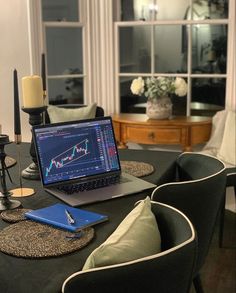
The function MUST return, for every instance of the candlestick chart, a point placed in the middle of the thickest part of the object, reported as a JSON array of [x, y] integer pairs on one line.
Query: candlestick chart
[[68, 157]]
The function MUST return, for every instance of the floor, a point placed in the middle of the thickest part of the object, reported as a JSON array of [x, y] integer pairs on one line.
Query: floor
[[219, 272]]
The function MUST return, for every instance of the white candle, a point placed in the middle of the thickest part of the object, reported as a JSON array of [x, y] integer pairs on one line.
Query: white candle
[[32, 91]]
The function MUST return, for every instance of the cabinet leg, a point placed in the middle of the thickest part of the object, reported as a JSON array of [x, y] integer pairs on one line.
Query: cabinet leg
[[122, 145], [187, 148]]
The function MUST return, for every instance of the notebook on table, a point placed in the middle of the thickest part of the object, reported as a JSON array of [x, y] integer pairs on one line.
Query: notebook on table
[[79, 162], [66, 217]]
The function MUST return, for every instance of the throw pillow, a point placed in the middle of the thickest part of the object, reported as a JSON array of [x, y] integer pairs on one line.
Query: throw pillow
[[57, 114], [137, 236]]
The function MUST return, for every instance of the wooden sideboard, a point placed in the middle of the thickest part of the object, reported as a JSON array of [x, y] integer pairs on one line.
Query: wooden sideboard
[[183, 130]]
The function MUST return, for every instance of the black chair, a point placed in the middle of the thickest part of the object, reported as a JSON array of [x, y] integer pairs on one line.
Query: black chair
[[199, 194], [166, 272], [99, 110]]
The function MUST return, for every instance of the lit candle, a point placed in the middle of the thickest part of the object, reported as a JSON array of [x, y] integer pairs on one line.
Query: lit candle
[[32, 91], [17, 125]]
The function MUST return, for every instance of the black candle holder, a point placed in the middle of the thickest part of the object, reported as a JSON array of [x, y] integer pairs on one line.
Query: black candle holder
[[35, 118], [5, 202]]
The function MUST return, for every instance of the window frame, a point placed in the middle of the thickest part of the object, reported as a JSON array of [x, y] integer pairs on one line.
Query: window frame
[[81, 23], [189, 75]]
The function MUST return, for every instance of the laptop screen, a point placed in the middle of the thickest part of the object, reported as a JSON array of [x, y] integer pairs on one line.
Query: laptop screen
[[78, 149]]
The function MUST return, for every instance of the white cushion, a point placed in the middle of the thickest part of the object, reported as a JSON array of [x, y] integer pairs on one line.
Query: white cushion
[[227, 151], [137, 236], [57, 114], [217, 132]]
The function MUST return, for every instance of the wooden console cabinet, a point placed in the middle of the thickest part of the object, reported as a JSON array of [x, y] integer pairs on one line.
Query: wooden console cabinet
[[183, 130]]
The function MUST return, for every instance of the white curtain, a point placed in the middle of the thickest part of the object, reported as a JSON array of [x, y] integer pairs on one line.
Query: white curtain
[[231, 69]]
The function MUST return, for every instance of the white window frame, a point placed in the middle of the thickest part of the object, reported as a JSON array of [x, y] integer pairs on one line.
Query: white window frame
[[188, 75]]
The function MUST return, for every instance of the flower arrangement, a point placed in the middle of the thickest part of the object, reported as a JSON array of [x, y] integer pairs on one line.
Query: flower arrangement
[[154, 88]]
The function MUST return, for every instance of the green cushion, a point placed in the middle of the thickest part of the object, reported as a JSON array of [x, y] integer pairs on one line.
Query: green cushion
[[137, 236], [57, 114]]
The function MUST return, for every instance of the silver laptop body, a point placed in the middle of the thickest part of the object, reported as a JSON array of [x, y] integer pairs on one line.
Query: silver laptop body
[[81, 154]]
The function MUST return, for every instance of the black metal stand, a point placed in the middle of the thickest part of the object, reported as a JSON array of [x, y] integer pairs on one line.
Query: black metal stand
[[5, 202], [35, 118]]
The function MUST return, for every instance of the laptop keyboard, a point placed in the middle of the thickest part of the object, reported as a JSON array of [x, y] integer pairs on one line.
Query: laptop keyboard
[[94, 184]]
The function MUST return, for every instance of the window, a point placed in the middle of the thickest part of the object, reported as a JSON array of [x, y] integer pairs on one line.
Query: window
[[63, 31], [187, 38]]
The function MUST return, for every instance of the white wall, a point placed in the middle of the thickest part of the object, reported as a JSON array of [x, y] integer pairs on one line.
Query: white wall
[[14, 54]]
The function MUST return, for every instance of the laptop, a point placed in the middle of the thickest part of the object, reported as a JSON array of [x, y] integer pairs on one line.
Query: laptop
[[79, 162]]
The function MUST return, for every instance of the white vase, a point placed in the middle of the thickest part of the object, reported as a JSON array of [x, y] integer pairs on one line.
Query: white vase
[[159, 108]]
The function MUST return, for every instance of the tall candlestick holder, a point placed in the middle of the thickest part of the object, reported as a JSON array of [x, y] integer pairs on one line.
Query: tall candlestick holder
[[5, 202], [35, 118]]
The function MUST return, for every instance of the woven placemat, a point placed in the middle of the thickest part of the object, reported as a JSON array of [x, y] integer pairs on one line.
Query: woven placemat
[[30, 239], [13, 216], [136, 168]]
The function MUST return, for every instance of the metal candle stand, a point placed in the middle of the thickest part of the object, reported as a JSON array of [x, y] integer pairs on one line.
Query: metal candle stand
[[35, 118], [5, 202]]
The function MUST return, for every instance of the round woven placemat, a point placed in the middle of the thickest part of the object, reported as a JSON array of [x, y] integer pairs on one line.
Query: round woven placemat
[[137, 169], [30, 239], [13, 216]]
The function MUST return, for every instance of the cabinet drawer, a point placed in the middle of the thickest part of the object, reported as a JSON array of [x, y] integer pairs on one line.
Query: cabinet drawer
[[153, 135]]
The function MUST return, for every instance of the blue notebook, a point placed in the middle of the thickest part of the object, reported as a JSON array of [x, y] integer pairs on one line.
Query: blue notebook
[[66, 217]]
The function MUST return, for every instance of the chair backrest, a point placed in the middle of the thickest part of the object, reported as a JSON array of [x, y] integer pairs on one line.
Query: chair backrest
[[199, 195], [99, 110], [168, 271]]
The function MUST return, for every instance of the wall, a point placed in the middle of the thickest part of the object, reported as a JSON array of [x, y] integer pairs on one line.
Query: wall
[[14, 54]]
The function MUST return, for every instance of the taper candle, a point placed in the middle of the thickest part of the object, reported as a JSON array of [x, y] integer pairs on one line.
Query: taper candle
[[32, 91], [17, 125], [43, 72]]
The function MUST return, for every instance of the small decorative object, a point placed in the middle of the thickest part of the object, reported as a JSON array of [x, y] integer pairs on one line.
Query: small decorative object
[[18, 192], [5, 202], [157, 90], [33, 104]]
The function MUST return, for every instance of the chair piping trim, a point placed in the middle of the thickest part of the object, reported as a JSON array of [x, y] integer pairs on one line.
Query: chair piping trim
[[233, 173], [191, 181], [191, 239]]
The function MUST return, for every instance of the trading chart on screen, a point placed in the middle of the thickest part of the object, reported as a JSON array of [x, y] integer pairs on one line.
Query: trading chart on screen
[[76, 150]]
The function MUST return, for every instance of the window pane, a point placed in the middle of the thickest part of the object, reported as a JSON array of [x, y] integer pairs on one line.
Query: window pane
[[209, 48], [170, 49], [65, 91], [205, 9], [64, 50], [208, 96], [179, 105], [153, 10], [60, 10], [130, 103], [135, 49]]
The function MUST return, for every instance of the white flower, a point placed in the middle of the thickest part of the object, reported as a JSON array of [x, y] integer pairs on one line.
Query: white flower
[[180, 87], [161, 86], [137, 86]]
